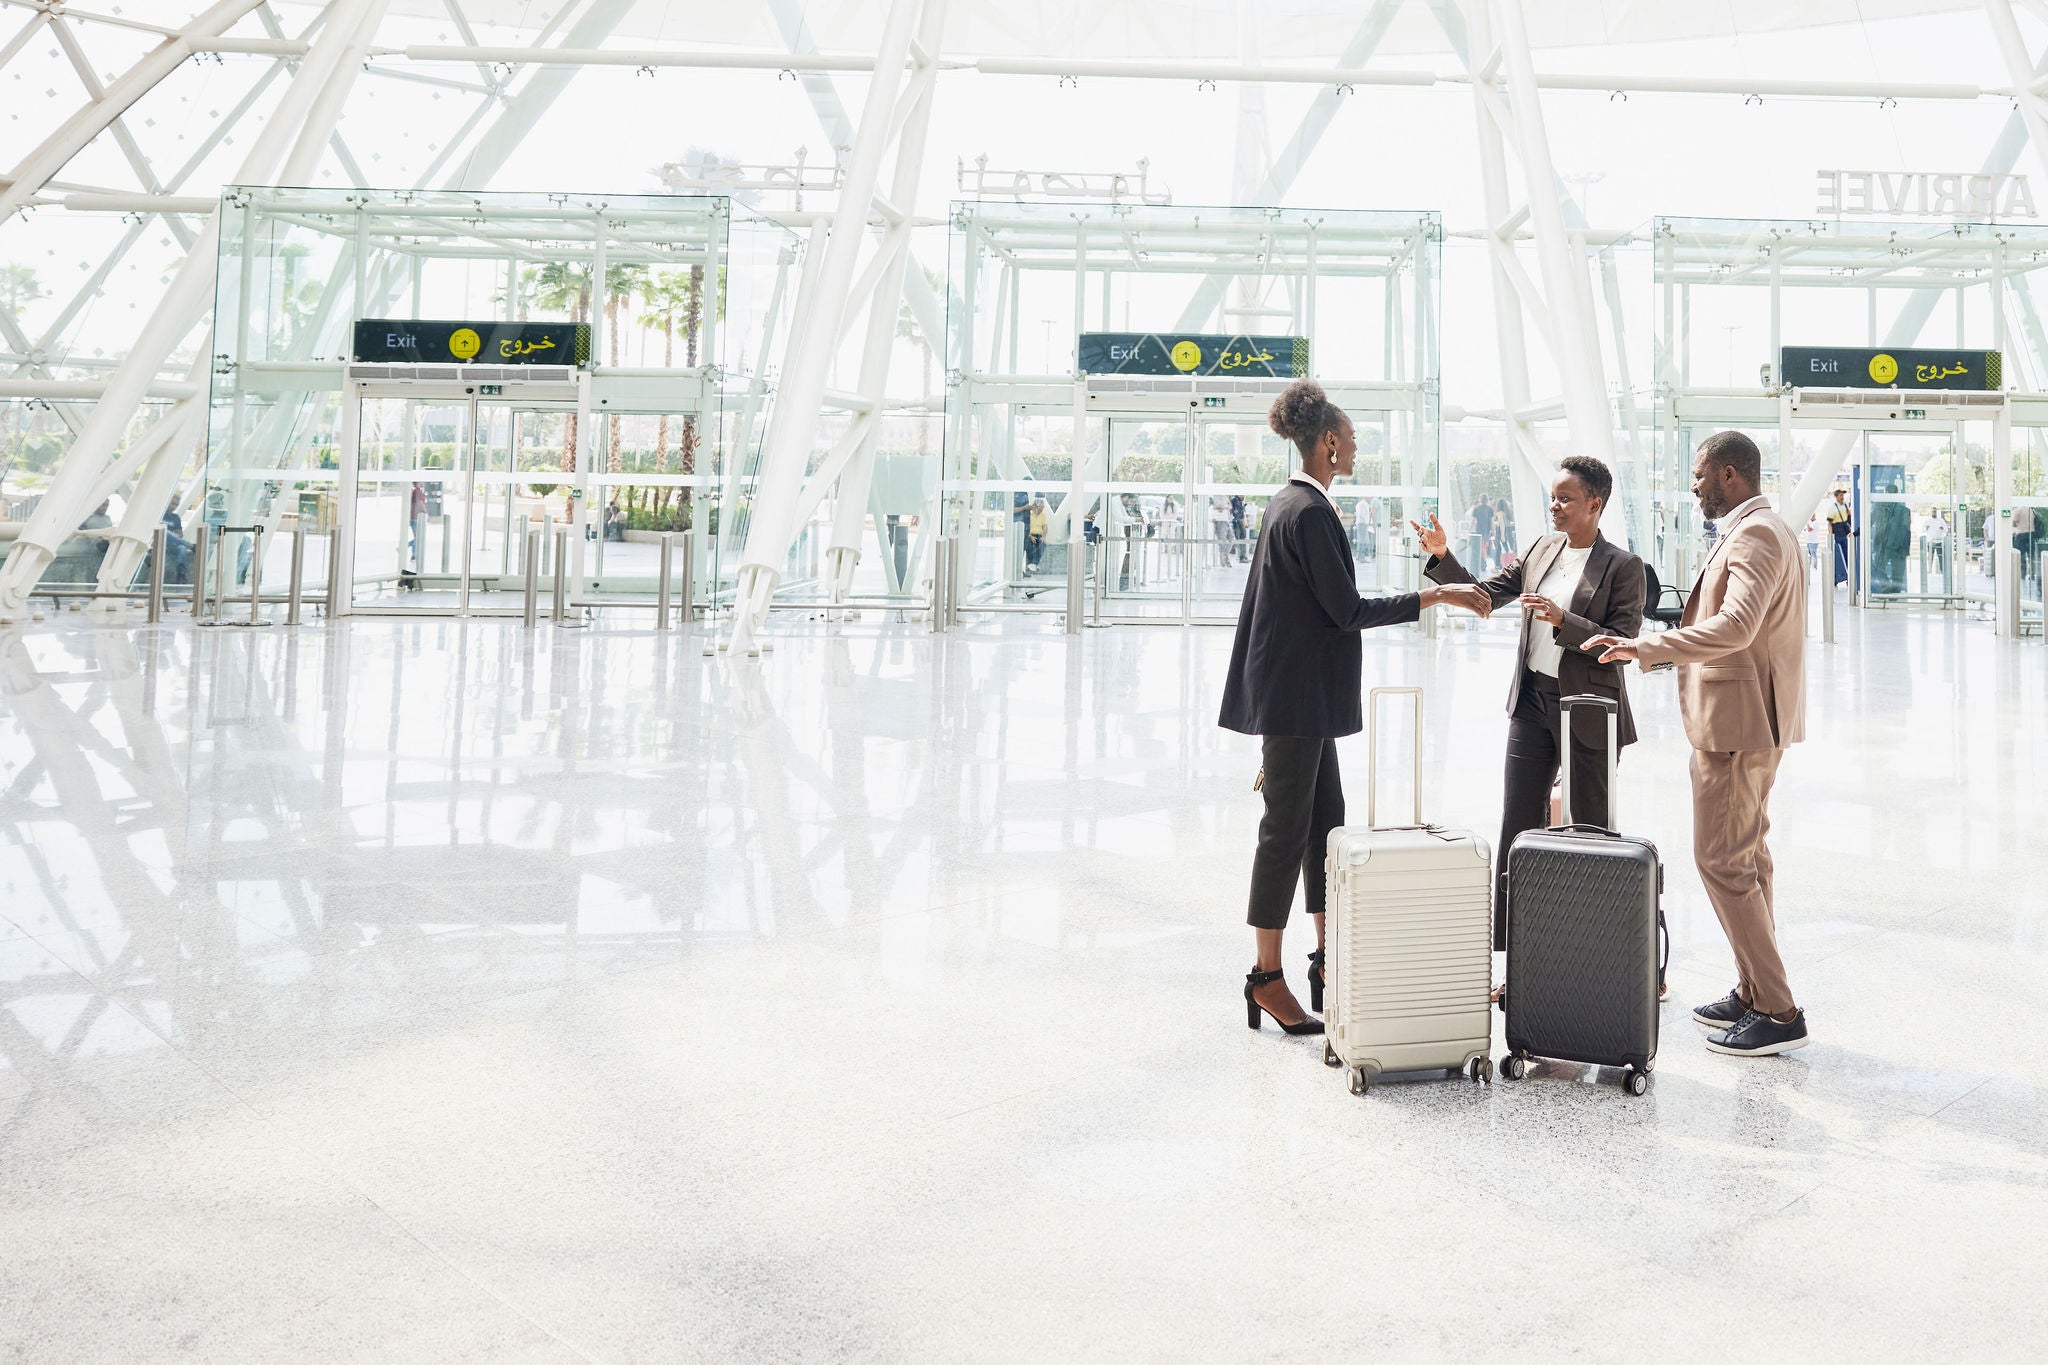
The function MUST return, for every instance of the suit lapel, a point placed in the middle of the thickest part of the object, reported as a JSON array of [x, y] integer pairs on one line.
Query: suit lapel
[[1595, 574], [1534, 568]]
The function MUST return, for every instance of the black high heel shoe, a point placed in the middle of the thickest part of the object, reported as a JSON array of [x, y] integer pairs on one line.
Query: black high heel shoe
[[1253, 1009], [1315, 981]]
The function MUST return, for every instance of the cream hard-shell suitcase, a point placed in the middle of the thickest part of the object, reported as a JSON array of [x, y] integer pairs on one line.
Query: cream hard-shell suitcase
[[1410, 928]]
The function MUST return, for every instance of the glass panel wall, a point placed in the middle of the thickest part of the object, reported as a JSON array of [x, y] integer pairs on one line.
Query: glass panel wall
[[648, 427], [1176, 467]]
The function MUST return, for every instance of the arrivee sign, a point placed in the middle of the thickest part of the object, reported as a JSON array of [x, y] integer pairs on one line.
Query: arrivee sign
[[1971, 197]]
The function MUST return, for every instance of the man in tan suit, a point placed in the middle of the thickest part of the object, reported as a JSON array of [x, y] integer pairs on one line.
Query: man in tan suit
[[1740, 651]]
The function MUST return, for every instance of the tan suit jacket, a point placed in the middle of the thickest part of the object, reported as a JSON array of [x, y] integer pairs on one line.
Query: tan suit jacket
[[1741, 645]]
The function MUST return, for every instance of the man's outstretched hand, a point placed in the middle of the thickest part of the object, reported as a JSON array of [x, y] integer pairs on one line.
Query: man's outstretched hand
[[1613, 649], [1470, 596]]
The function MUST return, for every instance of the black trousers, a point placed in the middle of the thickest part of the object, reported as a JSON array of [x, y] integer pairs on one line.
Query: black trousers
[[1304, 802], [1535, 740]]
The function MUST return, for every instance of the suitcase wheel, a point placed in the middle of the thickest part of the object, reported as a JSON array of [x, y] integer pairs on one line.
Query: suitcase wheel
[[1330, 1057], [1513, 1067], [1360, 1081], [1635, 1082], [1481, 1069]]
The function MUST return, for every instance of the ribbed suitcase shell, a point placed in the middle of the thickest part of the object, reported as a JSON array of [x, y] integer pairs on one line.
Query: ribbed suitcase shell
[[1410, 949], [1582, 947]]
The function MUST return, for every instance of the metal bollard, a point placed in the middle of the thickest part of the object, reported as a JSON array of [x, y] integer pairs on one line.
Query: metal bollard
[[444, 542], [689, 579], [941, 557], [256, 578], [202, 543], [953, 581], [298, 580], [157, 545], [211, 614], [1077, 584], [556, 609], [334, 593], [547, 540], [1827, 599], [668, 555], [532, 574]]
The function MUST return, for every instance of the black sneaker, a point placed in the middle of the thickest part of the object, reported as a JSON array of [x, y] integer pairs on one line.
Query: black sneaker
[[1724, 1013], [1759, 1035]]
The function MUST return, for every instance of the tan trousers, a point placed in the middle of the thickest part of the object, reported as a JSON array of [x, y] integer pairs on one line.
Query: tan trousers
[[1731, 795]]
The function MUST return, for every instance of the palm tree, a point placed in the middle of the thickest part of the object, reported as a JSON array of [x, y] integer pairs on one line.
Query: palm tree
[[671, 296], [562, 287], [621, 282]]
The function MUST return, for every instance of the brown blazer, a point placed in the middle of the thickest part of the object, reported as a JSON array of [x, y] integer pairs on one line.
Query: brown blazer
[[1607, 601], [1741, 645]]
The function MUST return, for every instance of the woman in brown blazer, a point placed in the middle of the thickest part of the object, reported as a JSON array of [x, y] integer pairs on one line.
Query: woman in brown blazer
[[1573, 584]]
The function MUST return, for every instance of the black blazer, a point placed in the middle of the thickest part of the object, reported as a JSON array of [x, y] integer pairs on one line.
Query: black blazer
[[1608, 601], [1296, 664]]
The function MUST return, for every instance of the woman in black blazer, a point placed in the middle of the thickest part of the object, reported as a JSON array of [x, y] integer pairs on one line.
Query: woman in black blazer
[[1573, 584], [1294, 679]]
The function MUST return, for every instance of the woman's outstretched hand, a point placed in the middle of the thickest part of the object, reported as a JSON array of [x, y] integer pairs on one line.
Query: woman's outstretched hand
[[1436, 543], [1470, 596]]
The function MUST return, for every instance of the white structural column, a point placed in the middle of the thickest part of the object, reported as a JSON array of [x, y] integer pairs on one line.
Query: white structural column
[[1513, 289], [786, 448], [1504, 80], [314, 95], [892, 257]]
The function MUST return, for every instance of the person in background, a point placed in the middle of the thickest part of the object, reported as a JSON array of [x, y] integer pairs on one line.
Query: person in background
[[1219, 529], [1839, 518], [1573, 584], [1294, 680], [1483, 528], [1741, 654], [1034, 535], [1237, 526], [416, 517]]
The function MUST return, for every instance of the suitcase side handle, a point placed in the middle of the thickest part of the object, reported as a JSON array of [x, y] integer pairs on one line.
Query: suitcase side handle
[[1565, 707], [1372, 753]]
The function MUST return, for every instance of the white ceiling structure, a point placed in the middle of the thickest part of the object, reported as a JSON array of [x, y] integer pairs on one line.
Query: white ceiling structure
[[124, 117]]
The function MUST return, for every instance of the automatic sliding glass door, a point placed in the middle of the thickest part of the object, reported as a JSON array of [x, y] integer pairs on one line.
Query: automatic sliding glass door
[[443, 499]]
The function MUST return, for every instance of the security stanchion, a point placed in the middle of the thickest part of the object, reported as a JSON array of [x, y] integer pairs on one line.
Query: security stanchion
[[202, 545], [668, 556], [255, 579], [158, 540], [532, 591], [689, 575], [293, 597]]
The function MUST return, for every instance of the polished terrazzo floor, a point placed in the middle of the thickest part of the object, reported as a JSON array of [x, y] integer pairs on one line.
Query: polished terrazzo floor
[[428, 991]]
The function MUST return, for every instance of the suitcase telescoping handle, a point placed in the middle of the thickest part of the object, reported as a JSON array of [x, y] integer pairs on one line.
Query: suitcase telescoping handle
[[1372, 751], [1613, 710]]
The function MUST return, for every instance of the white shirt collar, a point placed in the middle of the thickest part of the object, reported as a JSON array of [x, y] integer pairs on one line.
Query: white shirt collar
[[1301, 477], [1740, 510]]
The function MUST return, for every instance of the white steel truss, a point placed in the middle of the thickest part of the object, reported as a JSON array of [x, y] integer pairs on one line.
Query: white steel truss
[[1554, 300], [895, 118]]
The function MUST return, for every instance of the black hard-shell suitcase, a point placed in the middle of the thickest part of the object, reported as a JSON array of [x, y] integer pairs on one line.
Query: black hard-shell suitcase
[[1584, 962]]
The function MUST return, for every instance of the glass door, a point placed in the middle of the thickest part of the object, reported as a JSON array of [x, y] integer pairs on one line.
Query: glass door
[[412, 459], [1914, 515], [517, 485], [1147, 518], [1239, 462]]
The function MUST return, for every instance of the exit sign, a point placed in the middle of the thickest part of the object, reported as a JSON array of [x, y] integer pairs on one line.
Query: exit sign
[[490, 390]]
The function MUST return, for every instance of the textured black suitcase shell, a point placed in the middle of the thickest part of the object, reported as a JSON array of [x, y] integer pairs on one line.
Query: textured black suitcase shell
[[1583, 947]]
